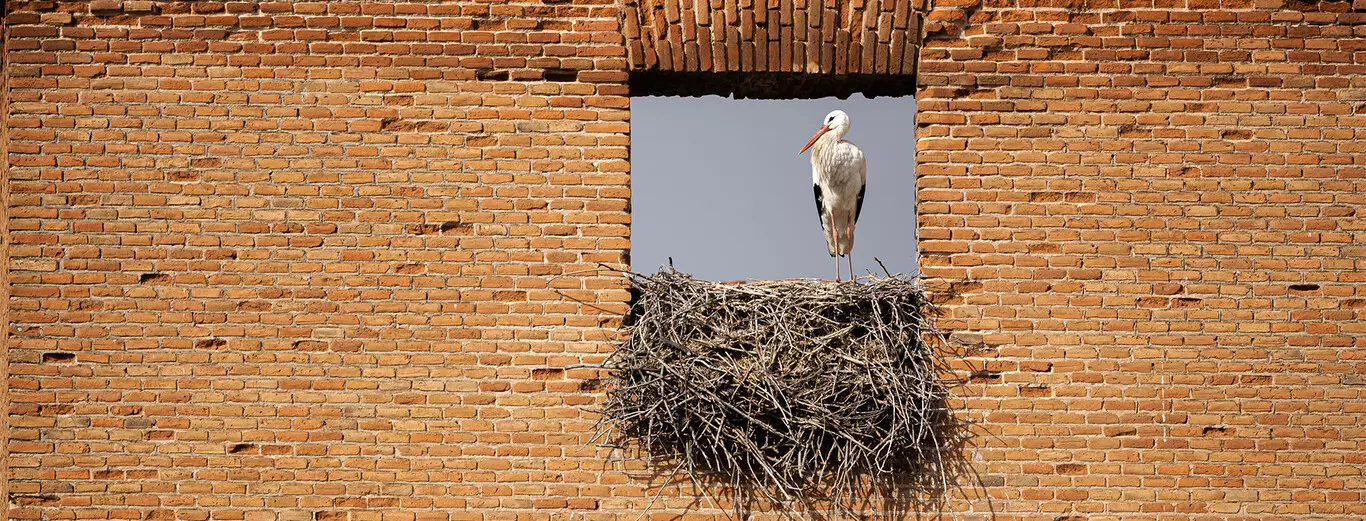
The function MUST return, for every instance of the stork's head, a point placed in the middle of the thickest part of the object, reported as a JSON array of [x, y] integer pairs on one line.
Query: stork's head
[[836, 121]]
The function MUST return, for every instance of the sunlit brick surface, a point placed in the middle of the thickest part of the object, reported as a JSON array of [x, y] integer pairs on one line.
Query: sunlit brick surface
[[311, 260], [1157, 218]]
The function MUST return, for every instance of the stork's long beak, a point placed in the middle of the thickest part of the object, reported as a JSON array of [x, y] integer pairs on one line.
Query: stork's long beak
[[819, 133]]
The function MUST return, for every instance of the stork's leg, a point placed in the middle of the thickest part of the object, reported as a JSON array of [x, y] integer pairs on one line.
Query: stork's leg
[[835, 233], [849, 252]]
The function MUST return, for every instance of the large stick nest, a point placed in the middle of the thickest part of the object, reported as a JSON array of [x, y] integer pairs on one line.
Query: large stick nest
[[796, 395]]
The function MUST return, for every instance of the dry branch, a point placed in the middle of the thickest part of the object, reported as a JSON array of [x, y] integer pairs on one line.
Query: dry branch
[[802, 396]]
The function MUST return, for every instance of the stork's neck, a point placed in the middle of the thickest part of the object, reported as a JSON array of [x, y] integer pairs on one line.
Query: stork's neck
[[828, 140]]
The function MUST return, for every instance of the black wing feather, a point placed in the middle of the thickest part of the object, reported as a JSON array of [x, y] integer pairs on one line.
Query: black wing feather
[[858, 209], [820, 203], [820, 213]]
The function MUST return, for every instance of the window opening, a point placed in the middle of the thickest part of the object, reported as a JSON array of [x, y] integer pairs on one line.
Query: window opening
[[719, 187]]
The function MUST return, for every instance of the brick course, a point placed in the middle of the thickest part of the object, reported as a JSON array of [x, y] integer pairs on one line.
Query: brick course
[[808, 36], [331, 260], [776, 49]]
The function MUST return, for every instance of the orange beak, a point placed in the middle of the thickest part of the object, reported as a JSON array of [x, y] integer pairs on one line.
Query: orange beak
[[818, 135]]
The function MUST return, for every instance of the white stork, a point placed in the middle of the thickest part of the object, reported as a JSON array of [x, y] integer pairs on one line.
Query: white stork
[[839, 175]]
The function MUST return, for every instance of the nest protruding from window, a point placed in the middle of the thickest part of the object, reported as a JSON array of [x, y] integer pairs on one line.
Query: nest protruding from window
[[796, 395]]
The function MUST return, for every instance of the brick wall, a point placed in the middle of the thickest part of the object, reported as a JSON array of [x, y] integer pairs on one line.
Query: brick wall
[[311, 260], [326, 260], [1157, 217]]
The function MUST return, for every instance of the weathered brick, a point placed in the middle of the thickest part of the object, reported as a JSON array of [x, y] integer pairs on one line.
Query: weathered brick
[[139, 6], [105, 6]]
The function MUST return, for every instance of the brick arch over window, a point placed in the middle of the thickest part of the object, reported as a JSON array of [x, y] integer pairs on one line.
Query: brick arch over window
[[773, 48]]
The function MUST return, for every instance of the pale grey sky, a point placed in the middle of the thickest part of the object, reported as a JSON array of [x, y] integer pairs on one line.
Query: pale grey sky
[[717, 184]]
